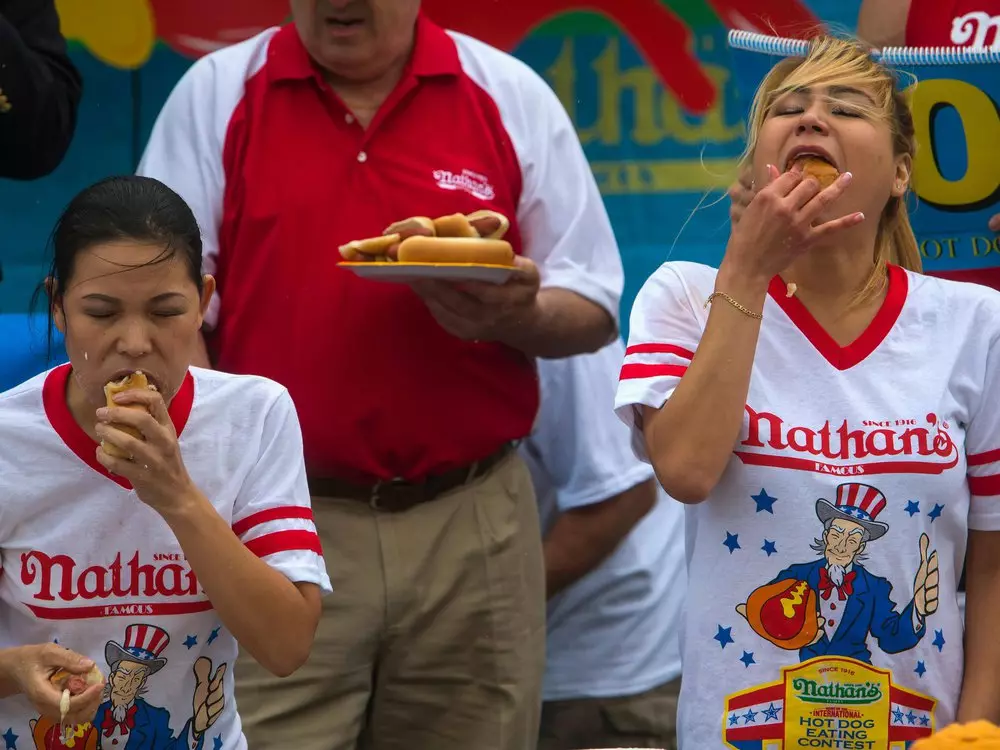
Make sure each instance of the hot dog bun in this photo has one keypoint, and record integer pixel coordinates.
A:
(369, 249)
(455, 225)
(456, 250)
(134, 381)
(824, 172)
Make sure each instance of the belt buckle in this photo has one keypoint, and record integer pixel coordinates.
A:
(390, 485)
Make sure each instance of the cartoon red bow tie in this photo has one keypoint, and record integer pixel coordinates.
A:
(108, 721)
(826, 586)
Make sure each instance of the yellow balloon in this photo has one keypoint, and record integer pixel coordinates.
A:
(120, 33)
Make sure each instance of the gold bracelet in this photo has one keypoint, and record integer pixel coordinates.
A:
(734, 303)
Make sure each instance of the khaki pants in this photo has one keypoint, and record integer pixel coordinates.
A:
(645, 720)
(434, 637)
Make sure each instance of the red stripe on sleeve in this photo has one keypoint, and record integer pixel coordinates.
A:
(285, 541)
(271, 514)
(985, 486)
(680, 351)
(981, 459)
(639, 371)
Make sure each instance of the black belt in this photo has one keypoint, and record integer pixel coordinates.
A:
(398, 495)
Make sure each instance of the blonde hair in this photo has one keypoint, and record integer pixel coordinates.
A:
(833, 61)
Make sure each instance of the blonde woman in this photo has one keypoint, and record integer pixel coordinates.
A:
(832, 420)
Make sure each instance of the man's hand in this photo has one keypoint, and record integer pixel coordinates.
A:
(209, 694)
(925, 583)
(478, 311)
(995, 223)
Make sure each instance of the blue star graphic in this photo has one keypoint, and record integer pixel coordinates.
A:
(764, 501)
(939, 640)
(898, 715)
(191, 641)
(913, 507)
(217, 742)
(769, 548)
(920, 670)
(747, 659)
(925, 721)
(733, 542)
(734, 720)
(724, 636)
(771, 713)
(935, 513)
(750, 716)
(214, 634)
(10, 739)
(911, 717)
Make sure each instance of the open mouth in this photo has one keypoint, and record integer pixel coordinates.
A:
(803, 152)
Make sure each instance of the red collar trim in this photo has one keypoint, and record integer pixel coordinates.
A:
(59, 416)
(434, 54)
(846, 357)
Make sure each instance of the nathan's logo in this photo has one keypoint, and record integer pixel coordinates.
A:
(129, 588)
(864, 448)
(471, 182)
(836, 693)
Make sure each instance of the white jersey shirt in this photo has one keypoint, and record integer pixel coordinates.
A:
(614, 632)
(857, 468)
(87, 565)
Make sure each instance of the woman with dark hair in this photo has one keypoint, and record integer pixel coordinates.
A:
(144, 539)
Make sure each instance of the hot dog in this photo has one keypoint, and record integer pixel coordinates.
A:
(456, 250)
(824, 172)
(434, 241)
(134, 381)
(73, 684)
(374, 248)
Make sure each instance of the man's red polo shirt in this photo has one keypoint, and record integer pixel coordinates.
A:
(279, 175)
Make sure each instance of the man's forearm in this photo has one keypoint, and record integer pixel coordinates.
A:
(564, 324)
(583, 538)
(980, 697)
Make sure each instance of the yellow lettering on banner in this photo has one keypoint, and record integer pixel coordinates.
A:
(981, 123)
(985, 245)
(655, 113)
(647, 177)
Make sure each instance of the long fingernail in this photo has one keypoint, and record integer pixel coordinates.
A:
(861, 216)
(846, 177)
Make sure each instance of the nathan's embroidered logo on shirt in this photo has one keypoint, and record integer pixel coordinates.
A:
(891, 446)
(973, 30)
(471, 182)
(64, 590)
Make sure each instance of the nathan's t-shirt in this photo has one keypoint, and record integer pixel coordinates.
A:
(86, 564)
(809, 620)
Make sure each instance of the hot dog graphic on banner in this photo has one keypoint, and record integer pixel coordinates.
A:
(832, 611)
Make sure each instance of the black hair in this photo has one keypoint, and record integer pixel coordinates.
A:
(118, 208)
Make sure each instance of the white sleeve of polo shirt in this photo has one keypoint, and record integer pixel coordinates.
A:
(578, 440)
(982, 447)
(186, 145)
(273, 513)
(664, 331)
(564, 225)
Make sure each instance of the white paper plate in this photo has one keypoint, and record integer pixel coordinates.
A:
(405, 272)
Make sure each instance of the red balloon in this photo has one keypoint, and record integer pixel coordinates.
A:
(196, 27)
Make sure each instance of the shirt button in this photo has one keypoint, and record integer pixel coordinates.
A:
(349, 118)
(832, 605)
(362, 157)
(831, 623)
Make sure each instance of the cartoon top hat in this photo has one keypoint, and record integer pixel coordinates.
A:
(860, 503)
(143, 644)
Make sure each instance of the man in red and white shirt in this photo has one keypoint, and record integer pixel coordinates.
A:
(327, 130)
(936, 23)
